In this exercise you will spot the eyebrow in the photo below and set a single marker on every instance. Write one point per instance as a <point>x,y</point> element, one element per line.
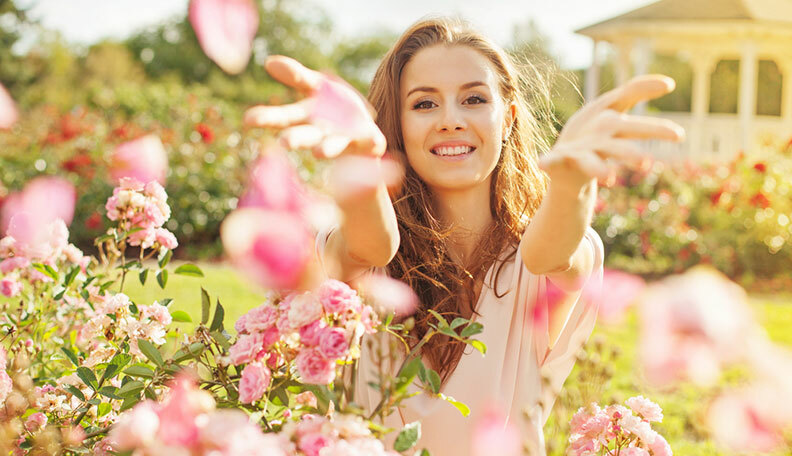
<point>464,86</point>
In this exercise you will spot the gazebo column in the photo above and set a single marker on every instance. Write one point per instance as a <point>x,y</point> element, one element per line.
<point>703,65</point>
<point>643,56</point>
<point>749,69</point>
<point>786,88</point>
<point>593,75</point>
<point>623,49</point>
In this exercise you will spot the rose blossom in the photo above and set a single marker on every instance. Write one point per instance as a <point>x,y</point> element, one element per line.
<point>312,332</point>
<point>333,343</point>
<point>136,428</point>
<point>13,263</point>
<point>660,447</point>
<point>304,309</point>
<point>633,451</point>
<point>246,349</point>
<point>336,296</point>
<point>166,239</point>
<point>314,368</point>
<point>10,287</point>
<point>260,318</point>
<point>311,444</point>
<point>35,422</point>
<point>254,382</point>
<point>646,408</point>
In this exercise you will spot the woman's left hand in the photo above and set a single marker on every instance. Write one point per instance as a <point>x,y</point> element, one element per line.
<point>597,141</point>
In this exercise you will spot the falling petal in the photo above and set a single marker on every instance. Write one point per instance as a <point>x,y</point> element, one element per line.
<point>8,110</point>
<point>615,295</point>
<point>143,159</point>
<point>495,434</point>
<point>341,109</point>
<point>390,294</point>
<point>225,30</point>
<point>354,175</point>
<point>274,184</point>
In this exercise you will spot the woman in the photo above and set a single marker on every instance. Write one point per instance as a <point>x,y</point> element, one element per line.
<point>477,229</point>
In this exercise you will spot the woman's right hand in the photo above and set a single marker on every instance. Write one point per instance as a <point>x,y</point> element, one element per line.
<point>334,119</point>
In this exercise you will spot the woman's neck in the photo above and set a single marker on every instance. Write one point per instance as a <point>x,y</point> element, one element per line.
<point>467,212</point>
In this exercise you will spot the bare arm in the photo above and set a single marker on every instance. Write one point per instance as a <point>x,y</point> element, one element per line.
<point>594,144</point>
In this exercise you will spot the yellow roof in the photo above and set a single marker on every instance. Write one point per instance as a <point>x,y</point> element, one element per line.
<point>777,11</point>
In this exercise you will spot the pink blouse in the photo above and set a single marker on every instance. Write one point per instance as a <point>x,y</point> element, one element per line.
<point>520,372</point>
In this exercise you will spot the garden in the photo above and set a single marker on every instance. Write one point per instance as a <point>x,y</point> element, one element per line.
<point>160,292</point>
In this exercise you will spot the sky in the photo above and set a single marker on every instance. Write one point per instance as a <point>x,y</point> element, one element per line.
<point>87,21</point>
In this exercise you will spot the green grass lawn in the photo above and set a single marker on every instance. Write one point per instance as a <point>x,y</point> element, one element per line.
<point>610,375</point>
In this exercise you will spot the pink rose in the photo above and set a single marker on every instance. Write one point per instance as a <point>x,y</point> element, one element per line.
<point>241,324</point>
<point>158,313</point>
<point>312,444</point>
<point>247,349</point>
<point>166,239</point>
<point>660,447</point>
<point>179,413</point>
<point>13,263</point>
<point>6,385</point>
<point>137,427</point>
<point>336,296</point>
<point>310,333</point>
<point>304,309</point>
<point>306,398</point>
<point>35,422</point>
<point>254,382</point>
<point>333,343</point>
<point>633,451</point>
<point>10,287</point>
<point>144,238</point>
<point>314,368</point>
<point>261,318</point>
<point>143,159</point>
<point>270,336</point>
<point>647,409</point>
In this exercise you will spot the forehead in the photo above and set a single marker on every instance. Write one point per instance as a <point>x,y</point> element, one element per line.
<point>448,67</point>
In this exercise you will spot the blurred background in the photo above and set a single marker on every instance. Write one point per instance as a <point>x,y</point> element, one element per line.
<point>90,74</point>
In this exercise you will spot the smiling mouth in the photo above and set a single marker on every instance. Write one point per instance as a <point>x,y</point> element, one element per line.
<point>452,151</point>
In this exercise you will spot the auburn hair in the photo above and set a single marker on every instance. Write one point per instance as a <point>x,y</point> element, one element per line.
<point>517,184</point>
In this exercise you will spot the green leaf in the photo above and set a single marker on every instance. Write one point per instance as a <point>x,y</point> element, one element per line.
<point>217,321</point>
<point>408,436</point>
<point>88,377</point>
<point>58,292</point>
<point>128,403</point>
<point>472,329</point>
<point>193,350</point>
<point>449,332</point>
<point>143,275</point>
<point>130,389</point>
<point>441,321</point>
<point>47,270</point>
<point>151,352</point>
<point>434,380</point>
<point>75,391</point>
<point>458,321</point>
<point>463,409</point>
<point>181,316</point>
<point>70,276</point>
<point>408,373</point>
<point>130,265</point>
<point>422,452</point>
<point>119,361</point>
<point>189,269</point>
<point>221,338</point>
<point>479,345</point>
<point>109,392</point>
<point>164,257</point>
<point>206,304</point>
<point>103,409</point>
<point>165,302</point>
<point>162,278</point>
<point>139,371</point>
<point>72,357</point>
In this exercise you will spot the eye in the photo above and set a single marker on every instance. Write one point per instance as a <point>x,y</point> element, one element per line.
<point>475,99</point>
<point>426,104</point>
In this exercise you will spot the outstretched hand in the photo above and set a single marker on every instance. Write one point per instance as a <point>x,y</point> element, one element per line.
<point>598,140</point>
<point>307,124</point>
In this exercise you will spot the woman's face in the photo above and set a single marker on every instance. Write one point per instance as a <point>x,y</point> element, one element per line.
<point>452,116</point>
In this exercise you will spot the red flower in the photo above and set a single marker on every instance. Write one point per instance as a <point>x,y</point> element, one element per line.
<point>761,167</point>
<point>715,197</point>
<point>207,135</point>
<point>760,200</point>
<point>81,164</point>
<point>94,222</point>
<point>70,127</point>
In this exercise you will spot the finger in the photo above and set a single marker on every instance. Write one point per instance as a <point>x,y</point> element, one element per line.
<point>292,73</point>
<point>622,150</point>
<point>636,90</point>
<point>278,116</point>
<point>583,161</point>
<point>642,127</point>
<point>302,137</point>
<point>331,146</point>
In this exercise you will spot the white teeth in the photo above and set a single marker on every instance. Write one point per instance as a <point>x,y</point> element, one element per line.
<point>458,150</point>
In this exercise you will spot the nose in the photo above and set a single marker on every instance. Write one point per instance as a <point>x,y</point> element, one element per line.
<point>451,120</point>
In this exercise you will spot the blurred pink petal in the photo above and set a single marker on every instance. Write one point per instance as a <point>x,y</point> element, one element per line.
<point>274,184</point>
<point>272,247</point>
<point>341,109</point>
<point>8,110</point>
<point>391,294</point>
<point>354,175</point>
<point>44,198</point>
<point>692,324</point>
<point>494,434</point>
<point>615,295</point>
<point>752,420</point>
<point>225,30</point>
<point>143,159</point>
<point>179,413</point>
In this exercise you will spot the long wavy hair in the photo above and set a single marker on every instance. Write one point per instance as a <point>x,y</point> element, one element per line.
<point>517,184</point>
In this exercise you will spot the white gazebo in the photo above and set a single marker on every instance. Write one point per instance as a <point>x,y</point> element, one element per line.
<point>705,32</point>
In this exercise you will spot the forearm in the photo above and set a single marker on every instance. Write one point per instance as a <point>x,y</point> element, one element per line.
<point>369,234</point>
<point>552,242</point>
